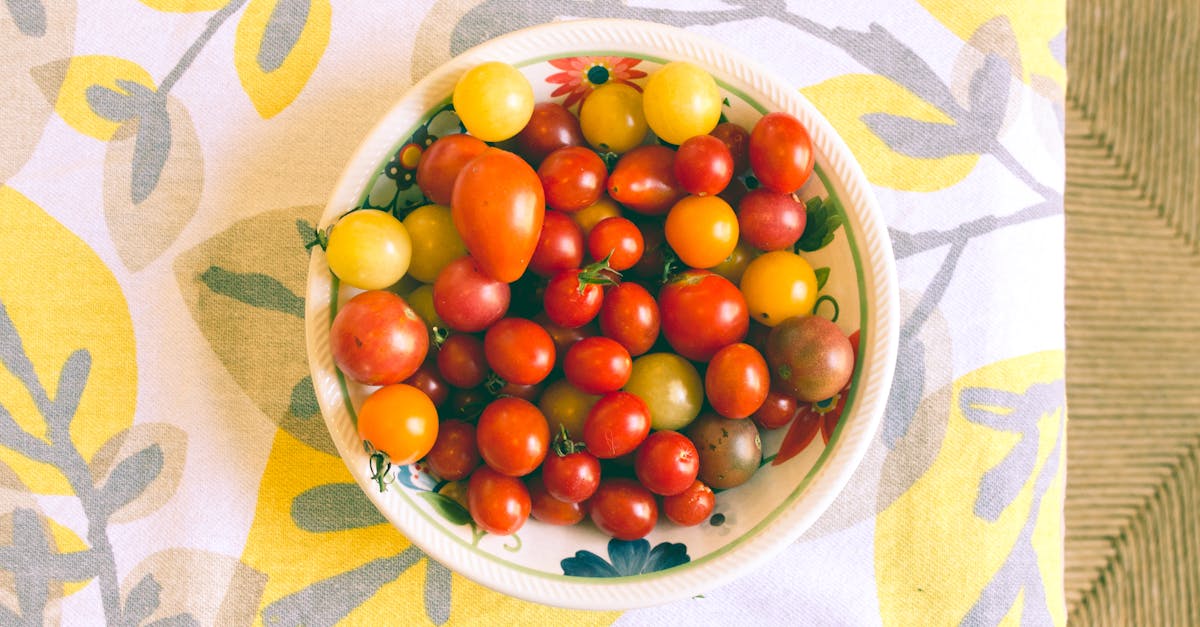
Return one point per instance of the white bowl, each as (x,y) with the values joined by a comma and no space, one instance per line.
(752,522)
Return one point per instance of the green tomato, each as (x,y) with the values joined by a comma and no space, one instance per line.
(494,101)
(369,249)
(681,101)
(564,404)
(671,388)
(435,241)
(421,300)
(612,118)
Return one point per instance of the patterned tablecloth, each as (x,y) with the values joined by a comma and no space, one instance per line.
(163,456)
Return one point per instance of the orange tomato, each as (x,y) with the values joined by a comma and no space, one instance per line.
(702,230)
(399,420)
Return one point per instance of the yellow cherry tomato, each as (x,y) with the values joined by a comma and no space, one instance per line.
(590,216)
(435,241)
(612,118)
(681,101)
(778,285)
(400,421)
(494,101)
(369,249)
(567,406)
(421,300)
(702,230)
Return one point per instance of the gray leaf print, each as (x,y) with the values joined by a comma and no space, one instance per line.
(130,477)
(283,31)
(29,15)
(920,139)
(142,601)
(111,104)
(71,382)
(150,150)
(334,507)
(327,602)
(989,95)
(437,592)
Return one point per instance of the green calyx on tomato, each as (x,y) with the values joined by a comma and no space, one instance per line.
(598,273)
(563,445)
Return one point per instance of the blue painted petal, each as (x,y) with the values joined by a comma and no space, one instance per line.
(587,564)
(628,557)
(666,555)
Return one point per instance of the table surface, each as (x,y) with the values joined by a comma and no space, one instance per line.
(163,454)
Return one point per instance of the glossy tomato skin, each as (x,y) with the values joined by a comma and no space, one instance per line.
(559,247)
(737,141)
(730,450)
(429,380)
(573,178)
(702,312)
(810,356)
(629,315)
(573,477)
(566,407)
(442,161)
(616,425)
(671,388)
(570,301)
(771,220)
(454,454)
(737,381)
(550,127)
(376,338)
(597,365)
(513,436)
(644,180)
(498,206)
(564,337)
(690,507)
(462,361)
(702,230)
(623,509)
(466,298)
(779,285)
(777,410)
(498,503)
(399,420)
(618,240)
(650,266)
(520,351)
(550,510)
(703,165)
(781,153)
(667,463)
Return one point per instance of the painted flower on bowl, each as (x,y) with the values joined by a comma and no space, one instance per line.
(580,75)
(626,558)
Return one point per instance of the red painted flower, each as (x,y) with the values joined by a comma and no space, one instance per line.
(822,416)
(580,75)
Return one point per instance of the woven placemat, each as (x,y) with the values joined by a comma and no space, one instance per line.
(1133,312)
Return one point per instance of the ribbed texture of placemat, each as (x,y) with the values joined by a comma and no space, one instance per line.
(1133,312)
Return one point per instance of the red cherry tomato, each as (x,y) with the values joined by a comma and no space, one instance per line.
(519,351)
(550,127)
(573,477)
(618,240)
(377,339)
(573,178)
(737,381)
(623,509)
(597,365)
(616,425)
(737,140)
(770,220)
(703,165)
(667,463)
(466,298)
(559,247)
(442,161)
(629,315)
(644,180)
(777,410)
(462,360)
(573,297)
(454,454)
(650,266)
(498,207)
(513,436)
(781,152)
(550,510)
(564,337)
(690,507)
(429,380)
(525,392)
(702,313)
(498,503)
(467,404)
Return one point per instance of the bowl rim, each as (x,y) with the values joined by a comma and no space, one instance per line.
(880,297)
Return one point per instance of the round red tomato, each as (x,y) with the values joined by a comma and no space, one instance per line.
(597,365)
(442,161)
(690,507)
(623,509)
(466,298)
(703,165)
(550,127)
(519,351)
(559,247)
(550,510)
(376,338)
(702,313)
(616,425)
(667,463)
(454,454)
(498,207)
(513,436)
(654,244)
(572,477)
(770,220)
(777,410)
(498,503)
(617,240)
(737,381)
(630,316)
(737,140)
(573,297)
(429,380)
(462,360)
(644,180)
(781,152)
(573,178)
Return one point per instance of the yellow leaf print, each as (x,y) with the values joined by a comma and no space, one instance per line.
(1034,23)
(185,6)
(942,551)
(63,302)
(843,100)
(96,73)
(277,47)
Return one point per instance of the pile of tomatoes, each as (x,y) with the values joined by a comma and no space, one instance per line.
(580,324)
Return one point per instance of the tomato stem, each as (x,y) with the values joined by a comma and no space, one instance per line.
(563,444)
(598,273)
